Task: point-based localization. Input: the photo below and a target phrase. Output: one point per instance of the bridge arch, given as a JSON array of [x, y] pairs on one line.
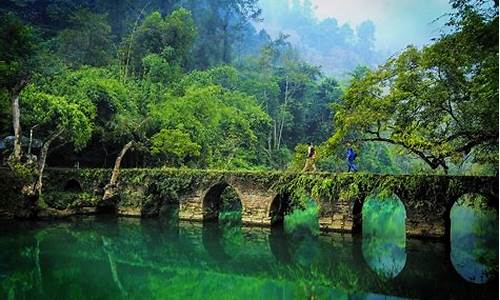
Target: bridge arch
[[212, 202], [483, 200], [359, 204]]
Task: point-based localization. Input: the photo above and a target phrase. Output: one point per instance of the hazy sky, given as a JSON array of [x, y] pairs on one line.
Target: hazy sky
[[398, 22]]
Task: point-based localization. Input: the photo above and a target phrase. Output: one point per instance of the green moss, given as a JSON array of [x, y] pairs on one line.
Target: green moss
[[64, 200]]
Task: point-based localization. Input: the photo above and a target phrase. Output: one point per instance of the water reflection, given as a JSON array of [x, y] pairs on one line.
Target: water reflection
[[300, 249], [386, 257], [212, 235], [474, 239], [278, 243], [384, 234], [149, 259], [301, 227]]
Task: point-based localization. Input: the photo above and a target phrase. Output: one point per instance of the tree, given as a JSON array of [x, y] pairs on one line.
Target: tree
[[438, 103], [174, 146], [220, 23], [118, 108], [87, 41], [220, 126], [320, 114], [169, 37], [57, 117], [18, 50]]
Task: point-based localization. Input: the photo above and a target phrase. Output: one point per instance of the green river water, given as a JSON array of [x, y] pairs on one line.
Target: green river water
[[102, 257]]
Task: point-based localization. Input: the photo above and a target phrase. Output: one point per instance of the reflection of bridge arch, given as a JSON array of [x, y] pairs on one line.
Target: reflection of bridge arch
[[279, 245], [212, 236], [473, 232], [288, 247], [384, 233], [302, 249]]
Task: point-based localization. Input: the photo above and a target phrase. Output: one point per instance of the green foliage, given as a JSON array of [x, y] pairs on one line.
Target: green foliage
[[223, 123], [170, 38], [87, 41], [158, 69], [299, 158], [193, 84], [22, 172], [424, 100], [474, 201], [303, 221], [17, 50], [59, 114], [175, 145]]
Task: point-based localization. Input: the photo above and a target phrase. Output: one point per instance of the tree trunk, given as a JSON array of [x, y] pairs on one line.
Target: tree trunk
[[109, 189], [269, 141], [283, 115], [275, 135], [17, 128], [31, 139], [129, 50], [226, 47], [16, 90], [43, 158]]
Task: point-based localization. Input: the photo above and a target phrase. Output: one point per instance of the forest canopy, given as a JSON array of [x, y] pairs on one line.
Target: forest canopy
[[187, 83]]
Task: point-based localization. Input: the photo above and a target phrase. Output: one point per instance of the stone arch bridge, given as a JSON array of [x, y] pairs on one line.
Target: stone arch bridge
[[195, 195]]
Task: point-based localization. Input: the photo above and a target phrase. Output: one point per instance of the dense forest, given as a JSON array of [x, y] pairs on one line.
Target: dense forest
[[184, 83]]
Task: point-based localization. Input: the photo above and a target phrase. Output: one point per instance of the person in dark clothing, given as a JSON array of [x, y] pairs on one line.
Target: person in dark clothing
[[351, 156]]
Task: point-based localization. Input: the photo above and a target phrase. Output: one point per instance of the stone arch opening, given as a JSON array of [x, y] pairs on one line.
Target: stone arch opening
[[387, 210], [169, 210], [222, 202], [384, 233], [296, 213], [473, 234], [106, 209], [73, 186]]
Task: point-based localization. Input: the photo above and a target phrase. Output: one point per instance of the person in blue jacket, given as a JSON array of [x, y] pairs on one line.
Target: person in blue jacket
[[351, 156]]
